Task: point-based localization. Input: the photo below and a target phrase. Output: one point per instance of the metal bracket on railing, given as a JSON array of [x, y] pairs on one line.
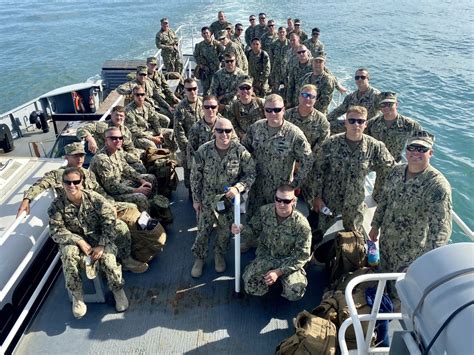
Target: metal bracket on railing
[[363, 342]]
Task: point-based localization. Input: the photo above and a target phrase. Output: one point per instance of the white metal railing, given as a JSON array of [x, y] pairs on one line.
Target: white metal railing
[[363, 342]]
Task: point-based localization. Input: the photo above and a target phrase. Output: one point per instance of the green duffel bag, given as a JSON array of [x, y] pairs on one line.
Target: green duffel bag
[[146, 243], [314, 335]]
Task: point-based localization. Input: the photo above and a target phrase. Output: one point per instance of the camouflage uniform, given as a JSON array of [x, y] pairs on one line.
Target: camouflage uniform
[[162, 93], [97, 131], [325, 85], [370, 100], [168, 43], [216, 27], [209, 176], [185, 115], [249, 35], [243, 115], [275, 155], [207, 57], [316, 48], [119, 179], [301, 33], [295, 76], [236, 39], [414, 216], [315, 126], [259, 31], [278, 60], [267, 41], [145, 123], [240, 57], [199, 134], [339, 177], [394, 137], [127, 89], [225, 83], [259, 71], [93, 221], [282, 245]]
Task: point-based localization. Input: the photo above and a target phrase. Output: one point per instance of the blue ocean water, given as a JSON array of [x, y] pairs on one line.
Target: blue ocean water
[[423, 50]]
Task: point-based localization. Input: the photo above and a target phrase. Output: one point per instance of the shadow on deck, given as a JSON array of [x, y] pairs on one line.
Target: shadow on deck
[[169, 311]]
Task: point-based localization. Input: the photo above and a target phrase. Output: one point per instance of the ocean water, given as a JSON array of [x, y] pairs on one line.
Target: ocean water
[[422, 50]]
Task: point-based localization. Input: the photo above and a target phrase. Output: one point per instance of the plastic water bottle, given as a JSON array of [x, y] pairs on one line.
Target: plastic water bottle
[[373, 256], [326, 211], [226, 188]]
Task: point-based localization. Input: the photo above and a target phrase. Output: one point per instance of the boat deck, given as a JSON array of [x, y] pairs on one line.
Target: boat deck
[[170, 312]]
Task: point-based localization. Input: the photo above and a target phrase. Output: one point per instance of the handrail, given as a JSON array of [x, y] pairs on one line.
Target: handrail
[[363, 343], [463, 225], [237, 242], [109, 110]]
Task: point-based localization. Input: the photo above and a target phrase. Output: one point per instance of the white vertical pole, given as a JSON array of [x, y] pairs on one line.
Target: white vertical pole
[[237, 242]]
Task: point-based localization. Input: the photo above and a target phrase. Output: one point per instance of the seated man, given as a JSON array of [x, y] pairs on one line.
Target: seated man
[[220, 166], [284, 247], [93, 133], [117, 177], [72, 213]]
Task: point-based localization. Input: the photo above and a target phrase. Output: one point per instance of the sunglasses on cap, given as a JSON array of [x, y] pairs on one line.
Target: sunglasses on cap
[[283, 200], [222, 130], [417, 148], [307, 95], [212, 107], [359, 121], [245, 87], [139, 94], [115, 138], [73, 182], [191, 89], [273, 109], [360, 77]]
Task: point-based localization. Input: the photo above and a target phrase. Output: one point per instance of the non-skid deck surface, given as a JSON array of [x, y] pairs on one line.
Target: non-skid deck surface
[[171, 313]]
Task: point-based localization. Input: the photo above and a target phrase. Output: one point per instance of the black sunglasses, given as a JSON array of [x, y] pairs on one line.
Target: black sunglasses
[[301, 52], [386, 104], [245, 87], [307, 95], [207, 107], [273, 109], [283, 200], [115, 138], [230, 60], [417, 148], [359, 121], [140, 94], [74, 182], [191, 89], [360, 77], [222, 130]]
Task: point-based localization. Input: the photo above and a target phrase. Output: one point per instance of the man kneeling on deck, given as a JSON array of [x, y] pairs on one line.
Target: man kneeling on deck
[[284, 247], [83, 224]]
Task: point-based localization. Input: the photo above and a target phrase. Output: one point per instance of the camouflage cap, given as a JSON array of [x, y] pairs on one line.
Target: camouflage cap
[[247, 81], [388, 97], [141, 69], [221, 34], [423, 138], [320, 56], [74, 148], [151, 60], [164, 20], [297, 21]]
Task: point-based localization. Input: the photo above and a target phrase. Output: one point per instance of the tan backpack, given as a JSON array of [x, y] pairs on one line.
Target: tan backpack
[[350, 254], [314, 335]]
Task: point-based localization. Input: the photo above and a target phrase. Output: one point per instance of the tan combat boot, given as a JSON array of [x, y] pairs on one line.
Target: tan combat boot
[[135, 266], [196, 271], [79, 308], [121, 301], [219, 262]]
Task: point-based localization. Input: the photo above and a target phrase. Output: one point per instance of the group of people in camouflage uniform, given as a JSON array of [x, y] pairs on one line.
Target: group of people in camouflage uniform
[[262, 128]]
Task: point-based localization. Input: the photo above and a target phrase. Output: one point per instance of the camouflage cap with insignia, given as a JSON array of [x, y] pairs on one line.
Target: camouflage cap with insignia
[[423, 138], [141, 69], [320, 56], [151, 60], [74, 148], [221, 34], [164, 20], [247, 81], [388, 96]]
